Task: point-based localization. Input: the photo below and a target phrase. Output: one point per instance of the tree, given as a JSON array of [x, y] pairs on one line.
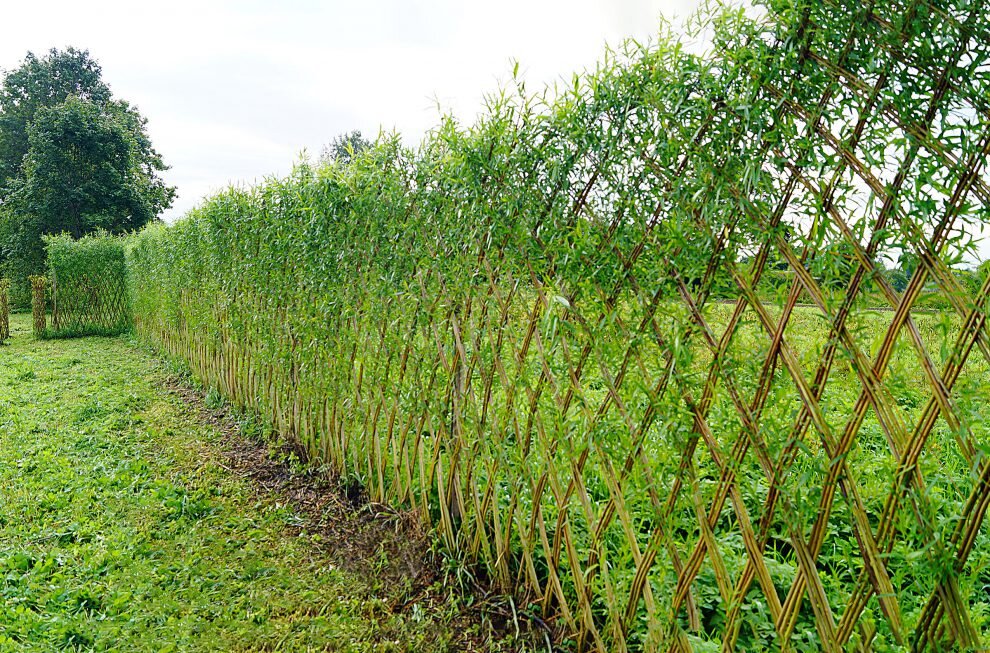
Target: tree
[[72, 159], [345, 147], [88, 167], [39, 83]]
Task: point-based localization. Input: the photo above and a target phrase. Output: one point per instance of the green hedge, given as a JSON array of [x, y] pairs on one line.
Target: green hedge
[[544, 333], [87, 285]]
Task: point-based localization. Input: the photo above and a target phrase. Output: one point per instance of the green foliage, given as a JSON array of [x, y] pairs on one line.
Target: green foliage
[[22, 255], [88, 280], [556, 333], [72, 159], [36, 84], [86, 171]]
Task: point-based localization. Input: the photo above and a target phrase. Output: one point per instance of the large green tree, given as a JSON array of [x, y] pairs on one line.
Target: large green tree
[[86, 169], [72, 159], [38, 83]]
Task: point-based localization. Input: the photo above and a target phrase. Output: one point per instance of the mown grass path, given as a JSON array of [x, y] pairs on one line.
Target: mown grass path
[[121, 530]]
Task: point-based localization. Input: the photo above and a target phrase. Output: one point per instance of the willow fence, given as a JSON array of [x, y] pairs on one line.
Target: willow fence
[[573, 336], [88, 286]]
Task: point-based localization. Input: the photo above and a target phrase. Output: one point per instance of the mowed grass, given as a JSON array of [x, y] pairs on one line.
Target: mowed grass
[[120, 530]]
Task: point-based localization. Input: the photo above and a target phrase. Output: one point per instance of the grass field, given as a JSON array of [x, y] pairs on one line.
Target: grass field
[[122, 530]]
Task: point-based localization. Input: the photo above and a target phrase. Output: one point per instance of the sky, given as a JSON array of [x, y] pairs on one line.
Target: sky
[[234, 91]]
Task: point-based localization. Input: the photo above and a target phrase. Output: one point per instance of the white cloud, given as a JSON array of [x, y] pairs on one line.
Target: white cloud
[[234, 90]]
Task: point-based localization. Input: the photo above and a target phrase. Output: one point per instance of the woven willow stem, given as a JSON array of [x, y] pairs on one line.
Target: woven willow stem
[[4, 310], [39, 308]]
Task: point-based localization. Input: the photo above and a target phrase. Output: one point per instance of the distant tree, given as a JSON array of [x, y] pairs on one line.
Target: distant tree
[[901, 274], [973, 279], [983, 271], [344, 148]]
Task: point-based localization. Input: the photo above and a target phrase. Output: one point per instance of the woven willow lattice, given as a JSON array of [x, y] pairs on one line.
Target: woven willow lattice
[[88, 285], [639, 353]]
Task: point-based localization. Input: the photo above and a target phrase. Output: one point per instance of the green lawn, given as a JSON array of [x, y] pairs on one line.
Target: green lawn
[[120, 530]]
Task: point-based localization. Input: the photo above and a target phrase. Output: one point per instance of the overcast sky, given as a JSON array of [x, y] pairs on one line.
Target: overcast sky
[[235, 90]]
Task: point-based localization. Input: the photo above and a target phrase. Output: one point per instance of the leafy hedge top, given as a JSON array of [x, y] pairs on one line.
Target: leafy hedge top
[[94, 255]]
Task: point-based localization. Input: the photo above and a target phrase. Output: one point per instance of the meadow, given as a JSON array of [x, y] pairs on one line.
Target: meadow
[[124, 528]]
